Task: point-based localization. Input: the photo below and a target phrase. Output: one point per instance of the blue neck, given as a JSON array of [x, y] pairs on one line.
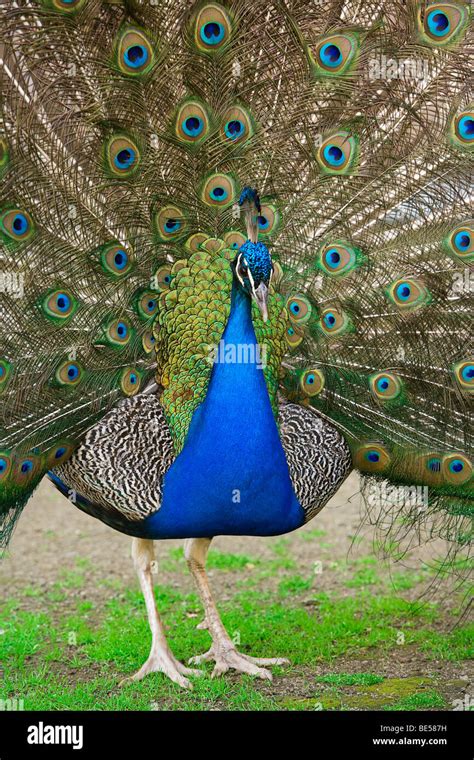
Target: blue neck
[[231, 476]]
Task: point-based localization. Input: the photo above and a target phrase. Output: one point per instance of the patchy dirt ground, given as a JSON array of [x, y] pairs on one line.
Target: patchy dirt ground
[[56, 544]]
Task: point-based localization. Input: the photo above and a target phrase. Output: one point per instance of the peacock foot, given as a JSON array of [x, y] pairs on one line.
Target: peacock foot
[[226, 657], [168, 664]]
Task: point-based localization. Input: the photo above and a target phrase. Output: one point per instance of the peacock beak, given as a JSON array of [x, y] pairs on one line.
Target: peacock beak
[[260, 295]]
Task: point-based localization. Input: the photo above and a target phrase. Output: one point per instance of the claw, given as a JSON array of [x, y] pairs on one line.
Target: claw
[[231, 659], [169, 666]]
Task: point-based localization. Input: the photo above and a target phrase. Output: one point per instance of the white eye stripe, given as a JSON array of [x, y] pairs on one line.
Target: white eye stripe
[[237, 269]]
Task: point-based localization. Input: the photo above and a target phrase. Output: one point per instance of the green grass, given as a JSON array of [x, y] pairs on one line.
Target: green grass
[[350, 679], [72, 657], [419, 702]]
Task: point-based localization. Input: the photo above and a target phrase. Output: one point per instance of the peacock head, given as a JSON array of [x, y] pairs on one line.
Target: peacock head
[[253, 264], [253, 270]]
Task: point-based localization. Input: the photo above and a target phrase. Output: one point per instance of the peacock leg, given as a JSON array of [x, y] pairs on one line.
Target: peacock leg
[[161, 659], [223, 651]]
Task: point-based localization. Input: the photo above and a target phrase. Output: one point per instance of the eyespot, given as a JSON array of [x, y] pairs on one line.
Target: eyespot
[[334, 55], [462, 129], [147, 304], [333, 320], [25, 469], [194, 242], [67, 6], [130, 381], [443, 23], [299, 309], [268, 220], [312, 382], [135, 54], [192, 122], [163, 277], [461, 241], [338, 153], [115, 260], [123, 156], [337, 260], [118, 333], [385, 386], [170, 223], [408, 294], [428, 468], [236, 125], [294, 335], [5, 372], [59, 453], [5, 465], [59, 305], [371, 457], [234, 240], [17, 224], [69, 373], [213, 28], [148, 342], [218, 190], [456, 468], [464, 375]]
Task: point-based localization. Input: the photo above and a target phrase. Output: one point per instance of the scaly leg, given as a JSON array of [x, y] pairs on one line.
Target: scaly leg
[[223, 651], [161, 659]]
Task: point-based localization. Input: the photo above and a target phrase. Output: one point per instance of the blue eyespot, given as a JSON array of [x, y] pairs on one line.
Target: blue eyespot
[[120, 259], [295, 307], [310, 379], [3, 465], [136, 56], [333, 258], [382, 384], [59, 452], [329, 320], [63, 302], [468, 373], [122, 330], [26, 466], [456, 466], [403, 291], [330, 54], [193, 126], [125, 158], [212, 33], [151, 304], [373, 456], [73, 372], [167, 279], [291, 331], [172, 225], [263, 223], [333, 155], [438, 23], [133, 378], [2, 371], [234, 129], [434, 464], [218, 194], [20, 224], [462, 240], [466, 127]]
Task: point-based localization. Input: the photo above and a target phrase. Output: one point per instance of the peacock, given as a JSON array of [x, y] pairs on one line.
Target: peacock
[[235, 266]]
